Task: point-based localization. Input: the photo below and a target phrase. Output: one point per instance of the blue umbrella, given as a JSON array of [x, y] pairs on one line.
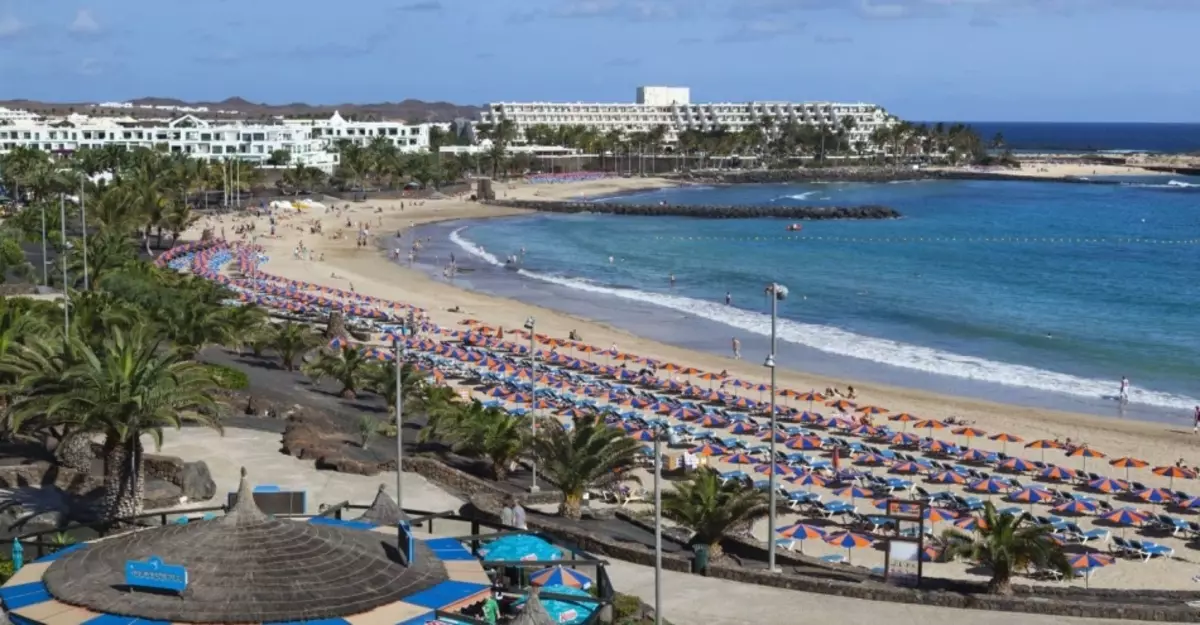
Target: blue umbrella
[[567, 612], [520, 547]]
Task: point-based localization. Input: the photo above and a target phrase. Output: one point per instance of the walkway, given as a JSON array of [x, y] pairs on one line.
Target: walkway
[[691, 600]]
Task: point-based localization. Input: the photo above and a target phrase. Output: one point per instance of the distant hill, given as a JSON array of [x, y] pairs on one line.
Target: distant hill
[[414, 111]]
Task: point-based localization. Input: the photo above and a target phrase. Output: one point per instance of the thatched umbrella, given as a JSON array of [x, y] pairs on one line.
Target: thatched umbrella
[[534, 613], [384, 510], [246, 567]]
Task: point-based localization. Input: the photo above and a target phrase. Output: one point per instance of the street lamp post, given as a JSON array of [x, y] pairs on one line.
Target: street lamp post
[[529, 325], [399, 357], [776, 292], [83, 226], [658, 525], [62, 209]]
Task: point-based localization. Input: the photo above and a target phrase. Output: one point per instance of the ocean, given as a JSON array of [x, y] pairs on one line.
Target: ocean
[[1098, 137], [1035, 293]]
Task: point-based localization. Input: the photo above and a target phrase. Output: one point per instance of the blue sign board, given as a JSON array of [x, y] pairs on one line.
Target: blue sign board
[[153, 574], [406, 542]]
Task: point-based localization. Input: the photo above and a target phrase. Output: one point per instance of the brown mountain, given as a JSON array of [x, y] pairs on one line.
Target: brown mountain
[[414, 111]]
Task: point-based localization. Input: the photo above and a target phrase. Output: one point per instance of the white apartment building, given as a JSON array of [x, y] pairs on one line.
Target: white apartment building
[[8, 115], [309, 142], [672, 107]]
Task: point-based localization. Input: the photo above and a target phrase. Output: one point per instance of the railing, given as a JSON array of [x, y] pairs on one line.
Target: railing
[[424, 519]]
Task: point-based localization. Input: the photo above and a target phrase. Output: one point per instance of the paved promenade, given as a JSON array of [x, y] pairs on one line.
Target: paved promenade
[[688, 599]]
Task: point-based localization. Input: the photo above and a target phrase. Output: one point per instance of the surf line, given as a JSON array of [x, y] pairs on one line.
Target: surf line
[[1038, 240]]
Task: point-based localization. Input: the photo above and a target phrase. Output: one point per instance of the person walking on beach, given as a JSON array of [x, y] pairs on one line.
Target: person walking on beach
[[672, 279], [728, 299], [737, 349], [1196, 421], [1124, 396]]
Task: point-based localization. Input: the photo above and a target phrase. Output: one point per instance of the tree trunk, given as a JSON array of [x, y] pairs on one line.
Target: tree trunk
[[124, 483], [1000, 585], [571, 506], [75, 451], [348, 393], [336, 327]]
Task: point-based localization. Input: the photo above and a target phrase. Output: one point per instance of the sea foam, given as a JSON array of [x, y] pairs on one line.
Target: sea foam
[[834, 340]]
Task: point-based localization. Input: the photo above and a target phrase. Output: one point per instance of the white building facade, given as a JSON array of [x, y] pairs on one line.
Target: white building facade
[[310, 143], [672, 108]]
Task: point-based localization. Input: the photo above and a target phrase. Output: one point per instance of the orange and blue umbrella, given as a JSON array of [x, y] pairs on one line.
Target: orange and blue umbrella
[[780, 437], [903, 439], [848, 541], [708, 449], [777, 469], [804, 442], [687, 414], [933, 515], [808, 479], [642, 435], [1076, 506], [1006, 438], [969, 432], [1032, 495], [1056, 473], [801, 531], [938, 447], [970, 523], [975, 455], [948, 477], [1108, 485], [870, 459], [743, 427], [1156, 495], [559, 576], [871, 410], [1173, 472], [713, 421], [853, 492], [1085, 453], [574, 413], [990, 485], [1087, 561], [904, 417], [1125, 517], [1127, 463], [907, 467], [1017, 465], [929, 424], [841, 404], [1044, 444], [739, 459], [809, 417]]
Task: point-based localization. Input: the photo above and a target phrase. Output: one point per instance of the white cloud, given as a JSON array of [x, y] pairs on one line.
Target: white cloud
[[10, 26], [84, 23]]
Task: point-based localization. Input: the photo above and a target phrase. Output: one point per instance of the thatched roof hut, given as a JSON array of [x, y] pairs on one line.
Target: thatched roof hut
[[384, 510], [246, 567]]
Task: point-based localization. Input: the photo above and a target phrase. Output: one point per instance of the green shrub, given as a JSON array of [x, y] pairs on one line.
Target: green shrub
[[229, 378], [6, 570]]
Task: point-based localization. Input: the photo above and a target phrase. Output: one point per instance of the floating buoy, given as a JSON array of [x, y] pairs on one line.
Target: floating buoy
[[795, 227]]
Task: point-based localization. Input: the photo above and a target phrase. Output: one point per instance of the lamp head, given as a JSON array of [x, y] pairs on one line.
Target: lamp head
[[529, 323], [770, 361], [778, 290]]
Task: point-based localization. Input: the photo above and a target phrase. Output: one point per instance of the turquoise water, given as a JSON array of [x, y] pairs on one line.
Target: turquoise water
[[1065, 309]]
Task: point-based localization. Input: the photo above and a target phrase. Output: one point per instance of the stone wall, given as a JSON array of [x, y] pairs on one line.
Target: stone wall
[[862, 174], [704, 212], [46, 474], [467, 485]]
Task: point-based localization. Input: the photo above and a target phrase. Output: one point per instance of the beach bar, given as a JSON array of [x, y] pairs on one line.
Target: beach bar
[[248, 567]]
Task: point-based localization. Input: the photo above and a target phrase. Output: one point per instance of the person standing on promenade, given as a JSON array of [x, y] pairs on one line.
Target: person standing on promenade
[[506, 513], [519, 516], [1124, 396]]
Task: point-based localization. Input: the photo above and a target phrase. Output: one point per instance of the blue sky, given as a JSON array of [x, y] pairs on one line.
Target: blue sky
[[1012, 60]]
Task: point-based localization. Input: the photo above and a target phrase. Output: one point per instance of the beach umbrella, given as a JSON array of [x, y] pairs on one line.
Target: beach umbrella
[[990, 486], [810, 397], [1032, 495], [975, 455], [1085, 453], [903, 439], [870, 459], [712, 421], [933, 515], [743, 427], [1173, 472], [1125, 517], [739, 459], [929, 424], [1188, 504], [575, 412], [853, 492], [643, 435], [868, 409], [1108, 485], [803, 442], [968, 433], [841, 405], [907, 467], [970, 523], [1017, 465], [1076, 506], [848, 541], [519, 547], [938, 447], [1006, 438], [1156, 495], [778, 469], [801, 532], [685, 414], [780, 437], [809, 417], [904, 418], [1044, 444], [1056, 473], [559, 576], [947, 477], [1087, 561], [808, 479], [708, 449], [863, 430], [1127, 463]]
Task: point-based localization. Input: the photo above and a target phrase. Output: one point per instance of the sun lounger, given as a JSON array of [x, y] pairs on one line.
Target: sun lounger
[[833, 558], [834, 508], [1170, 523], [1148, 549], [1077, 535]]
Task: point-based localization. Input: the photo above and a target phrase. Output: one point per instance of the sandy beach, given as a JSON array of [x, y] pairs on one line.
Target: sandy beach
[[343, 264], [1039, 168]]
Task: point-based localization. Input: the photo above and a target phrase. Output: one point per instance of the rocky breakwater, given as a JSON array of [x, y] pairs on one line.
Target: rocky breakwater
[[705, 212], [866, 174]]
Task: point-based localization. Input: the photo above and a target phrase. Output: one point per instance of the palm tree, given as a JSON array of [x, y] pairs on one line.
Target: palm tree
[[292, 340], [1007, 544], [381, 378], [346, 366], [711, 509], [591, 454], [440, 405], [135, 385], [488, 433]]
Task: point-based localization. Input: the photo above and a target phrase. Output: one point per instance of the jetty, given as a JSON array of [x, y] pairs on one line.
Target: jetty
[[865, 174], [704, 212]]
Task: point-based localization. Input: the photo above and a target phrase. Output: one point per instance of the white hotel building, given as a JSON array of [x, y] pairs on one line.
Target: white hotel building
[[672, 107], [308, 141]]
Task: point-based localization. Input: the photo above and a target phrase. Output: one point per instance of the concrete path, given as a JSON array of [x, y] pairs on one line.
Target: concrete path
[[259, 453], [695, 600]]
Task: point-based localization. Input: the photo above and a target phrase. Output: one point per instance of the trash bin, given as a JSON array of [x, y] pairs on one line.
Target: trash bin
[[700, 559]]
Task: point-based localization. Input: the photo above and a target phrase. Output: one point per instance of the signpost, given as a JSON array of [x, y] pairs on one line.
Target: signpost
[[154, 575], [902, 560]]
